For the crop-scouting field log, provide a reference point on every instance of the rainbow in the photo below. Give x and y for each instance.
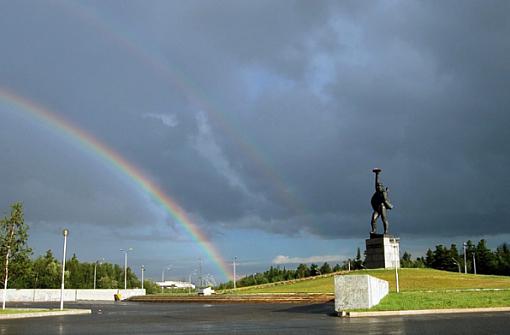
(114, 159)
(197, 98)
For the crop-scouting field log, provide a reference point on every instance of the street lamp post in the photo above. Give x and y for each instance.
(163, 276)
(189, 287)
(125, 265)
(65, 232)
(474, 264)
(465, 261)
(396, 267)
(194, 272)
(456, 263)
(95, 271)
(235, 258)
(143, 270)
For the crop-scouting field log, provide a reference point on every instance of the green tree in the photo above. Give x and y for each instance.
(151, 287)
(314, 270)
(429, 258)
(302, 271)
(485, 258)
(14, 251)
(502, 259)
(325, 268)
(406, 261)
(357, 264)
(46, 271)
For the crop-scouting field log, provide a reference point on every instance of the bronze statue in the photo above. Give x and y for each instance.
(380, 203)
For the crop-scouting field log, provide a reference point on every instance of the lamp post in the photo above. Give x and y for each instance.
(143, 270)
(163, 276)
(456, 263)
(125, 265)
(95, 270)
(65, 232)
(235, 258)
(474, 263)
(465, 261)
(396, 267)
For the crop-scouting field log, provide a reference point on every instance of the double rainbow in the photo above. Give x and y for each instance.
(88, 142)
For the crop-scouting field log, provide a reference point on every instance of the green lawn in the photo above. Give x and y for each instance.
(22, 310)
(409, 280)
(419, 289)
(439, 300)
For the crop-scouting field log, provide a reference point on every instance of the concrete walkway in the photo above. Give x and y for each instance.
(38, 312)
(423, 312)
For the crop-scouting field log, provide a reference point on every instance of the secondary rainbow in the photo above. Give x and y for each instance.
(196, 96)
(90, 143)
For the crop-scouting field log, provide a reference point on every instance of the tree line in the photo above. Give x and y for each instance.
(479, 259)
(20, 270)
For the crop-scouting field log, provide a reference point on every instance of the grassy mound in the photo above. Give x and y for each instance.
(409, 280)
(419, 289)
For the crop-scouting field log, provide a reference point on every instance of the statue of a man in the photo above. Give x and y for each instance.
(380, 203)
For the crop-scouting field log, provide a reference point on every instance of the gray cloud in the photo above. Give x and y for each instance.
(299, 102)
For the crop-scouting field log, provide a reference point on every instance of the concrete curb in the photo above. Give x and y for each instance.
(423, 312)
(36, 314)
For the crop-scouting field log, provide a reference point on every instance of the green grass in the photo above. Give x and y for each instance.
(440, 300)
(409, 280)
(22, 310)
(419, 289)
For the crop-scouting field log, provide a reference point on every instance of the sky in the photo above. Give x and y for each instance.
(259, 122)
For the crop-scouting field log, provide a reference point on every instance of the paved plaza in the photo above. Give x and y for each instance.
(160, 318)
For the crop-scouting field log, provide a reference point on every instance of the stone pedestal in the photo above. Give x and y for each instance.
(358, 291)
(382, 252)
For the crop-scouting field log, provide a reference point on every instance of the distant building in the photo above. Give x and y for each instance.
(174, 284)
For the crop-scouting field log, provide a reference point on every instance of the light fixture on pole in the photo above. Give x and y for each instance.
(143, 270)
(456, 263)
(474, 263)
(396, 257)
(65, 232)
(125, 265)
(168, 267)
(465, 261)
(194, 272)
(235, 258)
(95, 270)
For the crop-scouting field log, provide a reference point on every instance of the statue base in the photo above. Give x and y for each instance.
(383, 251)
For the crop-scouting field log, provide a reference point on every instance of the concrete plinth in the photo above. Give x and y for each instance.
(358, 291)
(382, 252)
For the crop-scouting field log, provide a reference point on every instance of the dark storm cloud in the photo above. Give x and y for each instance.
(270, 115)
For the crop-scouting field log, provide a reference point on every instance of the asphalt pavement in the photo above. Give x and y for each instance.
(172, 318)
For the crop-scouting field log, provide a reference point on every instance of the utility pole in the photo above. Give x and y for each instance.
(474, 264)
